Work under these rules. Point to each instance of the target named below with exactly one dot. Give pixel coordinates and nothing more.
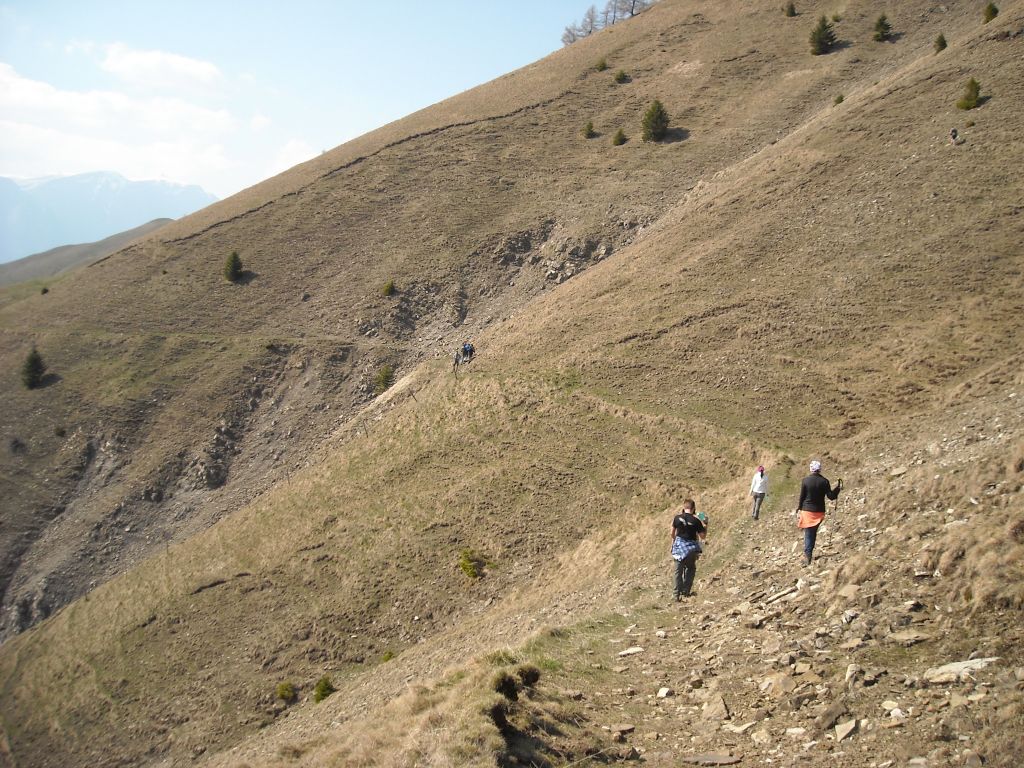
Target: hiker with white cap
(814, 489)
(758, 489)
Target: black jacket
(813, 492)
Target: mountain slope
(786, 295)
(64, 258)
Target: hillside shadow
(247, 277)
(673, 135)
(49, 380)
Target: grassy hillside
(783, 278)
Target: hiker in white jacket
(758, 489)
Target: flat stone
(950, 673)
(898, 471)
(852, 644)
(739, 728)
(845, 729)
(620, 670)
(908, 637)
(664, 693)
(830, 716)
(711, 759)
(661, 633)
(795, 733)
(633, 651)
(849, 591)
(622, 728)
(778, 684)
(889, 705)
(801, 668)
(715, 708)
(972, 759)
(761, 737)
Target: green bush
(619, 138)
(823, 37)
(388, 289)
(991, 11)
(940, 43)
(837, 17)
(601, 65)
(790, 10)
(471, 564)
(44, 290)
(384, 379)
(324, 688)
(33, 369)
(971, 95)
(286, 693)
(655, 122)
(838, 100)
(387, 656)
(882, 29)
(588, 130)
(233, 268)
(621, 76)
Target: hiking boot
(807, 561)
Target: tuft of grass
(620, 76)
(837, 17)
(940, 43)
(286, 692)
(588, 130)
(383, 380)
(619, 138)
(601, 65)
(838, 100)
(969, 124)
(388, 655)
(502, 658)
(506, 685)
(324, 688)
(971, 95)
(528, 675)
(388, 289)
(991, 11)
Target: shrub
(969, 124)
(619, 138)
(286, 693)
(601, 65)
(233, 268)
(33, 369)
(838, 100)
(971, 94)
(388, 289)
(940, 43)
(471, 564)
(823, 37)
(588, 130)
(991, 11)
(837, 17)
(44, 290)
(621, 76)
(655, 122)
(387, 656)
(528, 675)
(790, 10)
(384, 379)
(506, 685)
(324, 688)
(882, 29)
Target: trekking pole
(835, 512)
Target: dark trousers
(758, 498)
(810, 536)
(686, 570)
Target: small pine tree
(602, 64)
(33, 369)
(384, 379)
(971, 95)
(233, 268)
(621, 76)
(324, 688)
(882, 29)
(388, 289)
(823, 37)
(991, 11)
(790, 10)
(940, 43)
(655, 122)
(588, 130)
(619, 138)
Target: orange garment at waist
(809, 519)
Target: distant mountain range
(40, 214)
(65, 258)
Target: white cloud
(291, 154)
(259, 121)
(46, 130)
(159, 69)
(86, 47)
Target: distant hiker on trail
(811, 508)
(468, 350)
(687, 530)
(758, 489)
(953, 135)
(456, 361)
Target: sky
(223, 94)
